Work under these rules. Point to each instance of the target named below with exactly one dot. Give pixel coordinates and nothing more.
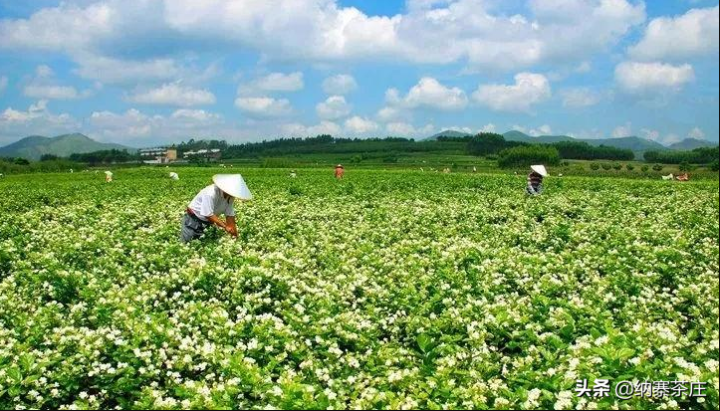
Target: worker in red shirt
(339, 171)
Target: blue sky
(146, 72)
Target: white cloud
(692, 34)
(135, 127)
(622, 131)
(299, 130)
(51, 92)
(696, 133)
(389, 113)
(43, 86)
(335, 107)
(273, 82)
(579, 97)
(655, 135)
(471, 31)
(174, 95)
(3, 84)
(124, 71)
(402, 129)
(264, 106)
(543, 130)
(340, 84)
(529, 89)
(36, 120)
(429, 93)
(648, 134)
(44, 70)
(64, 28)
(358, 125)
(488, 128)
(196, 115)
(642, 78)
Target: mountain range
(33, 147)
(637, 145)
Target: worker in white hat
(212, 202)
(535, 180)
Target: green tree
(524, 156)
(48, 157)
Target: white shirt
(211, 201)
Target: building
(210, 154)
(158, 155)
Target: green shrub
(525, 156)
(565, 164)
(606, 166)
(684, 166)
(390, 158)
(492, 157)
(630, 167)
(658, 167)
(595, 166)
(617, 166)
(645, 168)
(715, 166)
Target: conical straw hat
(540, 169)
(233, 184)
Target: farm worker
(474, 169)
(535, 179)
(108, 176)
(339, 171)
(293, 174)
(174, 176)
(211, 202)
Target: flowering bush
(388, 289)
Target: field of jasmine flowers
(390, 289)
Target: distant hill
(447, 133)
(691, 144)
(636, 144)
(33, 147)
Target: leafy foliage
(385, 290)
(703, 155)
(524, 156)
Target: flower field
(389, 289)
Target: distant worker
(293, 174)
(535, 180)
(174, 176)
(108, 176)
(212, 202)
(339, 171)
(474, 169)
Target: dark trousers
(192, 228)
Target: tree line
(703, 155)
